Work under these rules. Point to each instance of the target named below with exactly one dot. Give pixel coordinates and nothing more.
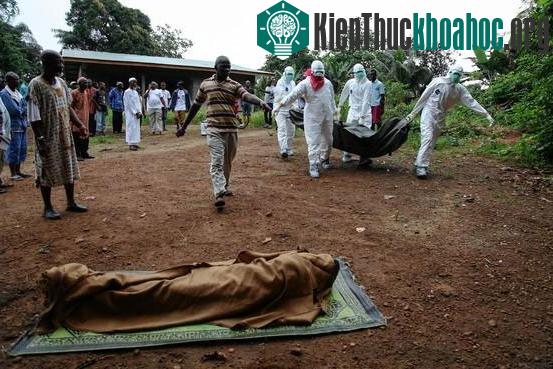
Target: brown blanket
(255, 290)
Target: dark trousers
(164, 117)
(117, 121)
(268, 115)
(91, 125)
(81, 145)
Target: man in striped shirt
(220, 93)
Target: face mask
(455, 77)
(360, 75)
(288, 77)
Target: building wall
(110, 74)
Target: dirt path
(461, 264)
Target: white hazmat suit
(359, 112)
(317, 117)
(285, 127)
(439, 96)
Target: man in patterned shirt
(51, 116)
(220, 93)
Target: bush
(525, 95)
(396, 93)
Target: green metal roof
(87, 55)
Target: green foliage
(170, 42)
(20, 51)
(391, 65)
(497, 63)
(299, 61)
(396, 94)
(8, 10)
(106, 25)
(521, 91)
(257, 119)
(412, 75)
(436, 61)
(525, 95)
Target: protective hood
(455, 73)
(288, 74)
(317, 68)
(359, 72)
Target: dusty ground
(461, 264)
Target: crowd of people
(63, 118)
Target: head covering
(317, 68)
(455, 73)
(288, 74)
(315, 81)
(132, 79)
(359, 72)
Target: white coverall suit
(317, 118)
(285, 128)
(440, 95)
(359, 112)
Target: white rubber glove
(410, 117)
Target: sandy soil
(460, 264)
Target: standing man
(5, 138)
(81, 105)
(441, 94)
(167, 97)
(376, 99)
(269, 99)
(51, 115)
(246, 106)
(154, 105)
(92, 88)
(355, 90)
(115, 98)
(285, 128)
(101, 109)
(180, 103)
(219, 93)
(133, 113)
(320, 107)
(17, 110)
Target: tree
(299, 61)
(338, 73)
(490, 67)
(523, 96)
(20, 51)
(437, 61)
(170, 42)
(106, 25)
(8, 10)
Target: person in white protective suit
(285, 127)
(359, 112)
(440, 95)
(318, 114)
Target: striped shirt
(220, 98)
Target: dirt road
(462, 264)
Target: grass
(465, 133)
